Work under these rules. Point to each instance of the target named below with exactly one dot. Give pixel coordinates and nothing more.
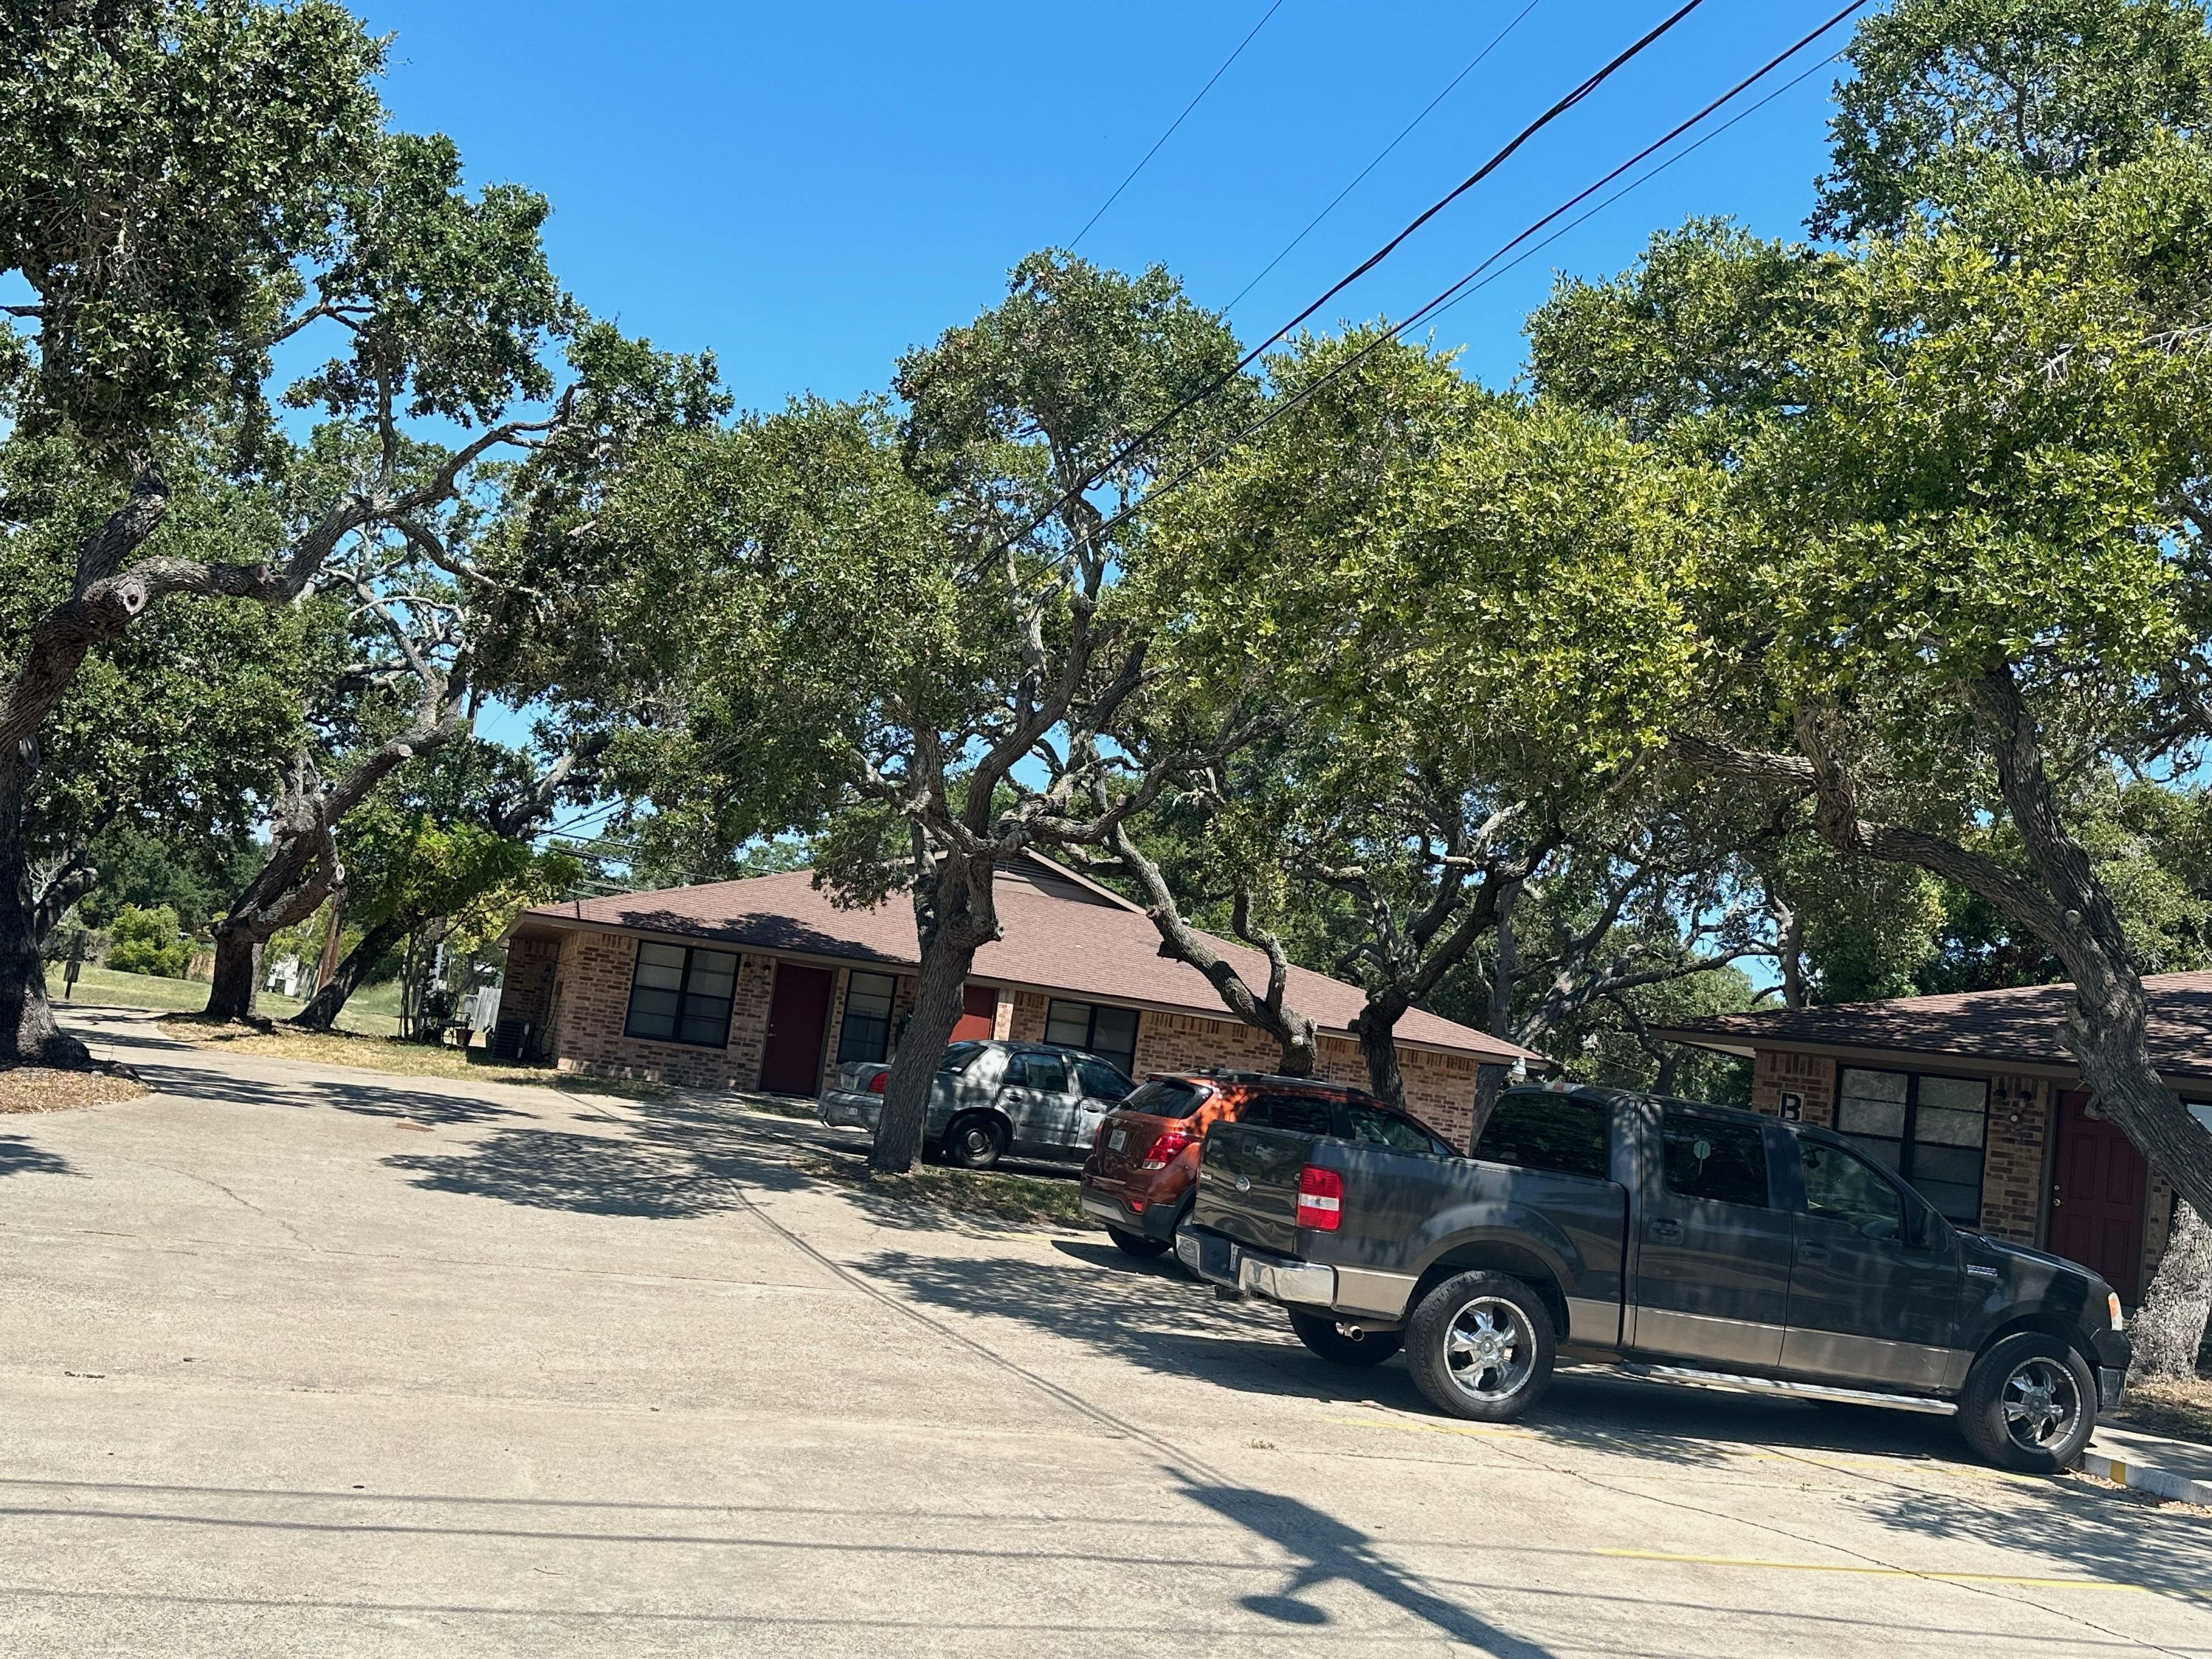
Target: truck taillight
(1320, 1198)
(880, 1081)
(1165, 1145)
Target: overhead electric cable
(1189, 399)
(1467, 283)
(1383, 153)
(1173, 124)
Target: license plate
(1118, 1139)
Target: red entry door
(2097, 1198)
(979, 1014)
(798, 1016)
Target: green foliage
(1948, 96)
(148, 942)
(162, 163)
(194, 875)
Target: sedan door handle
(1666, 1232)
(1815, 1253)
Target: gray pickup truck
(1684, 1241)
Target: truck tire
(1482, 1346)
(976, 1141)
(1137, 1244)
(1320, 1333)
(2030, 1403)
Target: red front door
(979, 1014)
(2097, 1196)
(798, 1015)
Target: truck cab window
(1708, 1157)
(1557, 1133)
(1373, 1126)
(1840, 1186)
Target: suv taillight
(1320, 1198)
(1165, 1145)
(880, 1081)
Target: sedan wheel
(975, 1142)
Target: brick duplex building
(765, 984)
(1974, 1098)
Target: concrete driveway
(317, 1362)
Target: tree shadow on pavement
(1169, 1327)
(598, 1175)
(1327, 1551)
(19, 1157)
(384, 1097)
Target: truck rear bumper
(1283, 1278)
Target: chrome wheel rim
(2042, 1403)
(1489, 1349)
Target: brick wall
(592, 990)
(526, 986)
(1811, 1076)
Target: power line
(1173, 124)
(1383, 155)
(1190, 400)
(1469, 283)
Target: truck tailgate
(1248, 1184)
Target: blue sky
(810, 190)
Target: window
(1047, 1073)
(1841, 1186)
(867, 1032)
(1371, 1125)
(1557, 1133)
(1928, 1129)
(680, 995)
(959, 1057)
(1101, 1081)
(1110, 1033)
(1164, 1097)
(1709, 1158)
(1303, 1114)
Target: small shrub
(148, 942)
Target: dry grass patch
(998, 1194)
(390, 1054)
(2180, 1408)
(42, 1089)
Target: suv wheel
(2030, 1403)
(1136, 1243)
(1328, 1340)
(1482, 1346)
(976, 1141)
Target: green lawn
(373, 1013)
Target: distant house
(1974, 1099)
(765, 984)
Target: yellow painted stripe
(1875, 1572)
(2117, 1474)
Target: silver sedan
(994, 1100)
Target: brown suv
(1142, 1172)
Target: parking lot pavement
(299, 1361)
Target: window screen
(1928, 1129)
(1710, 1158)
(680, 995)
(867, 1032)
(1304, 1114)
(1557, 1133)
(1110, 1033)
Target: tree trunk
(2169, 1328)
(1376, 1026)
(1490, 1080)
(28, 1035)
(232, 990)
(938, 995)
(321, 1013)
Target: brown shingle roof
(1095, 945)
(2019, 1026)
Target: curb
(2160, 1483)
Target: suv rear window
(1164, 1097)
(1305, 1114)
(1558, 1133)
